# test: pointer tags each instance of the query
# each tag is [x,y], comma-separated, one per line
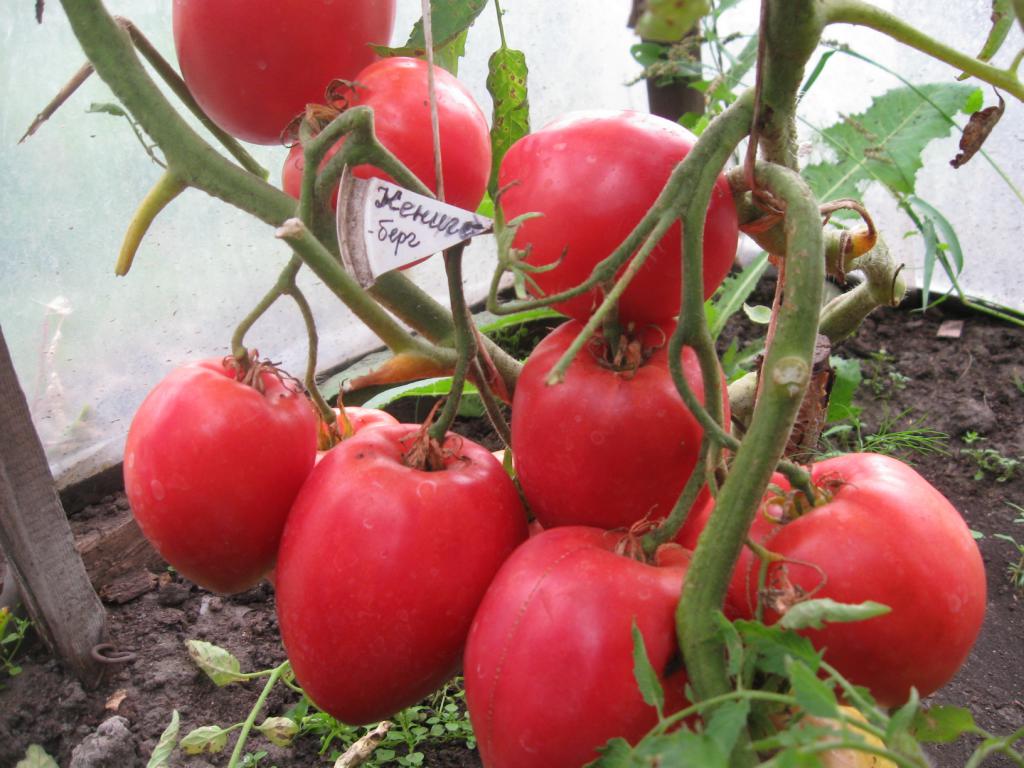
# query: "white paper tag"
[382,226]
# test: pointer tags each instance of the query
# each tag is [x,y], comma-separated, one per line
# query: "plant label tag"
[382,226]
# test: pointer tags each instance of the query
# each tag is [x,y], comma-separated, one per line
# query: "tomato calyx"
[339,96]
[783,506]
[426,453]
[629,353]
[249,371]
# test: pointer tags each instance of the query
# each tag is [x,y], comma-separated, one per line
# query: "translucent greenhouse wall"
[87,346]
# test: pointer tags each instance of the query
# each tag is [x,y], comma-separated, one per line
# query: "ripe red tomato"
[549,660]
[253,65]
[359,418]
[396,89]
[886,535]
[211,468]
[593,175]
[382,567]
[603,448]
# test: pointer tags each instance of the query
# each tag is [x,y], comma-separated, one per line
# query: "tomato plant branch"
[883,287]
[327,414]
[166,189]
[864,14]
[177,85]
[465,342]
[786,372]
[275,674]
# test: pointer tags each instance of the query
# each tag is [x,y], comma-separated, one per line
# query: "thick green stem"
[236,754]
[465,342]
[786,372]
[313,343]
[791,34]
[883,287]
[866,15]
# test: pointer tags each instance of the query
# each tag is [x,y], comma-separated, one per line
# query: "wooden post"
[37,541]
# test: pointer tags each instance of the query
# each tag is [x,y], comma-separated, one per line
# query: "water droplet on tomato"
[158,489]
[261,66]
[368,523]
[426,489]
[597,438]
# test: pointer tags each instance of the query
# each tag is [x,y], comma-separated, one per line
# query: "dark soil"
[953,385]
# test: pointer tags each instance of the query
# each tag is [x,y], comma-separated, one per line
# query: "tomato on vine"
[382,566]
[253,65]
[613,444]
[211,467]
[592,176]
[396,89]
[879,532]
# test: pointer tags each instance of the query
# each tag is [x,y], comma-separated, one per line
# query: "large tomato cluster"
[390,571]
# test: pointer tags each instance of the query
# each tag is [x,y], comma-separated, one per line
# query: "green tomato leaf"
[940,725]
[1002,21]
[666,21]
[436,387]
[885,143]
[279,730]
[733,643]
[727,723]
[218,664]
[734,292]
[897,733]
[451,20]
[844,386]
[759,314]
[812,614]
[506,82]
[814,696]
[168,739]
[774,646]
[646,677]
[975,102]
[36,757]
[615,754]
[207,738]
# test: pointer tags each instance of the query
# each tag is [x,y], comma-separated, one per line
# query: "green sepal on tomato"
[607,448]
[253,65]
[211,468]
[396,89]
[382,567]
[592,176]
[549,662]
[881,532]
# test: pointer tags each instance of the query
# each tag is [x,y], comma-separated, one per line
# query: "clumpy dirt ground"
[956,386]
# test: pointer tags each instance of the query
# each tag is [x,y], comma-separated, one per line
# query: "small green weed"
[882,376]
[1016,567]
[896,436]
[12,634]
[442,719]
[989,461]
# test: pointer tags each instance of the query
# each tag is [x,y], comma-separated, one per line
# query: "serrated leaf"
[279,730]
[901,720]
[727,722]
[846,380]
[774,646]
[36,757]
[940,725]
[813,696]
[667,21]
[759,314]
[812,614]
[207,738]
[615,754]
[506,82]
[885,142]
[450,20]
[646,677]
[734,292]
[218,664]
[165,746]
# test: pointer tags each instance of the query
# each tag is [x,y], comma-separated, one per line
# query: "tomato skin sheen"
[603,448]
[396,89]
[211,469]
[382,567]
[253,65]
[886,535]
[593,175]
[549,660]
